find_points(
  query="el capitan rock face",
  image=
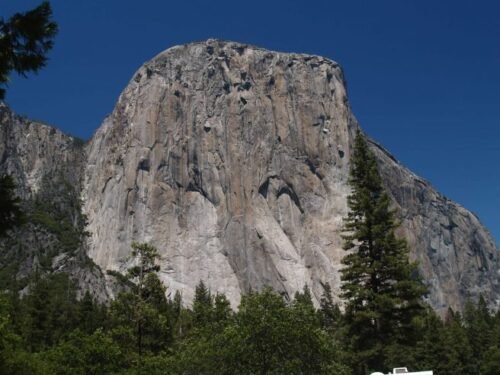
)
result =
(233, 161)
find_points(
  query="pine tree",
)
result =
(459, 353)
(91, 314)
(202, 305)
(491, 361)
(478, 324)
(89, 354)
(139, 317)
(221, 312)
(25, 39)
(381, 293)
(267, 336)
(11, 214)
(181, 318)
(330, 314)
(304, 297)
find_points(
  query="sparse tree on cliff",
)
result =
(10, 210)
(379, 285)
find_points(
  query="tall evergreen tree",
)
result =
(304, 297)
(91, 314)
(11, 214)
(25, 39)
(94, 354)
(139, 317)
(330, 314)
(491, 361)
(379, 285)
(49, 312)
(202, 305)
(478, 325)
(458, 350)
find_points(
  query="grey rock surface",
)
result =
(35, 153)
(458, 257)
(226, 157)
(47, 166)
(233, 161)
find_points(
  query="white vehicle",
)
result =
(404, 370)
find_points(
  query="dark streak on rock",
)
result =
(313, 166)
(263, 188)
(293, 196)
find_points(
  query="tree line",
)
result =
(50, 331)
(145, 330)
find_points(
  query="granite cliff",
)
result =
(46, 165)
(233, 161)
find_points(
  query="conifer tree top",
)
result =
(383, 296)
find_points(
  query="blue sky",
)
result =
(423, 76)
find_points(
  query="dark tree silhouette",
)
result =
(25, 39)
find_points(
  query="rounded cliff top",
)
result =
(233, 70)
(211, 46)
(217, 49)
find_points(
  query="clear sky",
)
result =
(423, 75)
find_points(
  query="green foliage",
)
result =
(48, 331)
(57, 209)
(145, 256)
(91, 315)
(265, 336)
(49, 311)
(8, 339)
(383, 296)
(69, 236)
(122, 279)
(8, 272)
(79, 142)
(330, 314)
(11, 214)
(460, 356)
(304, 298)
(137, 325)
(491, 361)
(202, 305)
(25, 39)
(445, 346)
(181, 321)
(86, 354)
(54, 225)
(138, 318)
(55, 216)
(15, 355)
(478, 323)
